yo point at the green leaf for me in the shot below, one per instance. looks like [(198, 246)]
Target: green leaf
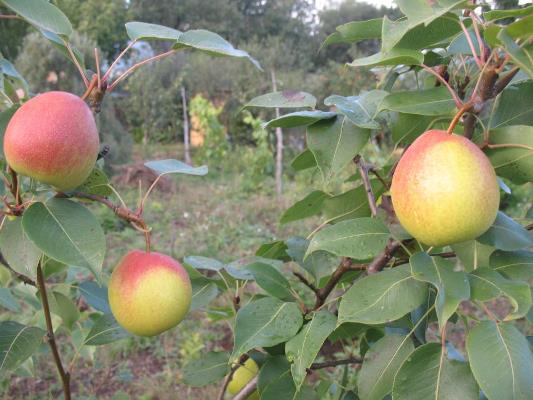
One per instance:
[(271, 281), (307, 207), (304, 160), (501, 361), (429, 374), (361, 238), (285, 99), (302, 349), (17, 343), (97, 183), (203, 292), (18, 250), (276, 250), (356, 31), (506, 234), (472, 254), (380, 365), (516, 265), (42, 14), (334, 143), (212, 44), (95, 295), (199, 262), (163, 167), (391, 57), (318, 264), (452, 286), (64, 307), (383, 297), (9, 69), (460, 45), (351, 204), (434, 101), (493, 15), (275, 382), (424, 12), (513, 106), (238, 269), (513, 163), (407, 127), (520, 29), (208, 369), (265, 322), (67, 232), (361, 110), (105, 330), (486, 284), (521, 56), (299, 118), (145, 31), (8, 301)]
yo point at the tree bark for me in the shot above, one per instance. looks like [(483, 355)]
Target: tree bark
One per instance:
[(279, 143), (186, 138)]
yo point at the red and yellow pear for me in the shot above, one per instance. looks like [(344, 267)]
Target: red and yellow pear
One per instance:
[(444, 189), (242, 375), (53, 138), (149, 293)]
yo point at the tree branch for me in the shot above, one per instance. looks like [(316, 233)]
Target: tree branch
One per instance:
[(247, 390), (381, 260), (304, 280), (65, 376)]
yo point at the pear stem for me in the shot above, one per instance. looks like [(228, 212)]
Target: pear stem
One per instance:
[(466, 107)]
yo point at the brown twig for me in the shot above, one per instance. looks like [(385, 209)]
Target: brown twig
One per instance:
[(65, 376), (385, 184), (9, 16), (363, 171), (381, 260), (122, 212), (14, 186), (304, 280), (76, 63), (505, 80), (345, 266), (123, 52), (466, 107), (247, 390), (505, 145)]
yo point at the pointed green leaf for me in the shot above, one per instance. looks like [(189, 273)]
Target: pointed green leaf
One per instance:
[(285, 99), (380, 365), (487, 284), (203, 292), (145, 31), (265, 322), (104, 331), (391, 57), (318, 264), (238, 269), (516, 265), (299, 118), (8, 301), (271, 281), (506, 234), (521, 56), (452, 286), (307, 207), (18, 250), (435, 101), (67, 232), (361, 238), (302, 349), (304, 160), (501, 361), (95, 295), (97, 183), (361, 110), (424, 12), (513, 163), (42, 14), (359, 30), (493, 15), (334, 143), (383, 297), (17, 343), (429, 374), (472, 254), (206, 263), (513, 106), (163, 167), (208, 369)]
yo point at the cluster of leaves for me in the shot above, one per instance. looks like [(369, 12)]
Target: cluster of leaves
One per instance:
[(397, 296)]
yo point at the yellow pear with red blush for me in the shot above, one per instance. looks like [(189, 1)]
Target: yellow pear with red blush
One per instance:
[(149, 293)]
